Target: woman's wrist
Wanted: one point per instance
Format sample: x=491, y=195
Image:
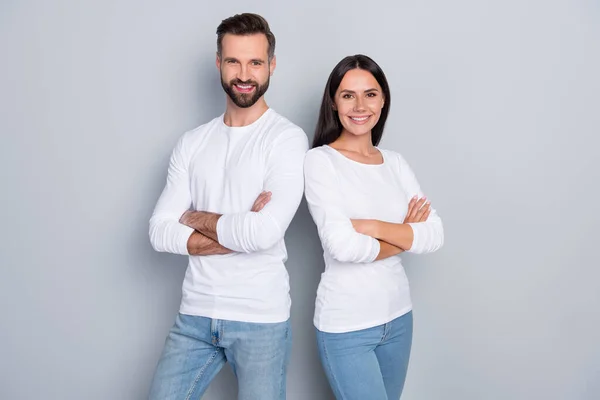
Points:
x=381, y=228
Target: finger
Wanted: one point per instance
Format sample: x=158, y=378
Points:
x=411, y=204
x=263, y=201
x=259, y=200
x=266, y=199
x=260, y=197
x=417, y=207
x=255, y=205
x=426, y=215
x=422, y=211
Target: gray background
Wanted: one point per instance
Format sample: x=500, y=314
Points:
x=495, y=105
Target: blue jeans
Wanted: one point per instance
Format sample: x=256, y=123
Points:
x=370, y=363
x=198, y=347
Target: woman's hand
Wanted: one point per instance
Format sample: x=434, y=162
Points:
x=369, y=227
x=418, y=210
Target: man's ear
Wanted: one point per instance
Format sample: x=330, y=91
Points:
x=272, y=65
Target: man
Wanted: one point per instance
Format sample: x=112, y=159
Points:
x=232, y=189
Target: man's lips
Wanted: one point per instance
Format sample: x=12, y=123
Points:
x=244, y=88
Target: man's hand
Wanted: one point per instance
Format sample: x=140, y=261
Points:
x=261, y=201
x=191, y=218
x=418, y=210
x=206, y=222
x=187, y=218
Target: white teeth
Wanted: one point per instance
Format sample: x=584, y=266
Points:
x=244, y=87
x=358, y=119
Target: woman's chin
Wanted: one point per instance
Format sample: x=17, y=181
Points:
x=358, y=132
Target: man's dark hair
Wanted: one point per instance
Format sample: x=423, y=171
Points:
x=245, y=24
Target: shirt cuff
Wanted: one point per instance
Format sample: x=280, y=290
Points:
x=419, y=230
x=183, y=234
x=375, y=249
x=224, y=235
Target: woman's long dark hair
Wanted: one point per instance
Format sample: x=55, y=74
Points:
x=329, y=127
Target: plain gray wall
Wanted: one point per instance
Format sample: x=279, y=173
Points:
x=495, y=104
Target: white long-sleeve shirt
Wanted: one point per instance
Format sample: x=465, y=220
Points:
x=356, y=292
x=221, y=169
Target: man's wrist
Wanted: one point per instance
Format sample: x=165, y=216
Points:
x=202, y=221
x=207, y=224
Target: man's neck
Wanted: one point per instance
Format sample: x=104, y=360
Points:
x=238, y=117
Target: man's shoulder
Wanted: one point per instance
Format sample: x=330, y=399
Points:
x=279, y=124
x=203, y=129
x=190, y=140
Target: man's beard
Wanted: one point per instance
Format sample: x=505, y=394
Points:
x=244, y=100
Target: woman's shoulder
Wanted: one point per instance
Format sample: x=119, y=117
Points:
x=393, y=156
x=398, y=163
x=318, y=154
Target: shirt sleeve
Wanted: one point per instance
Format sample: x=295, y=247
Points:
x=167, y=234
x=428, y=235
x=325, y=203
x=249, y=232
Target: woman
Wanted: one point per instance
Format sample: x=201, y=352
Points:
x=368, y=208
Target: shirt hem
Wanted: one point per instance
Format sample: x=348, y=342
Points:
x=353, y=328
x=258, y=319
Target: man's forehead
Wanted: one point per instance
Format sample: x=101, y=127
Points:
x=255, y=45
